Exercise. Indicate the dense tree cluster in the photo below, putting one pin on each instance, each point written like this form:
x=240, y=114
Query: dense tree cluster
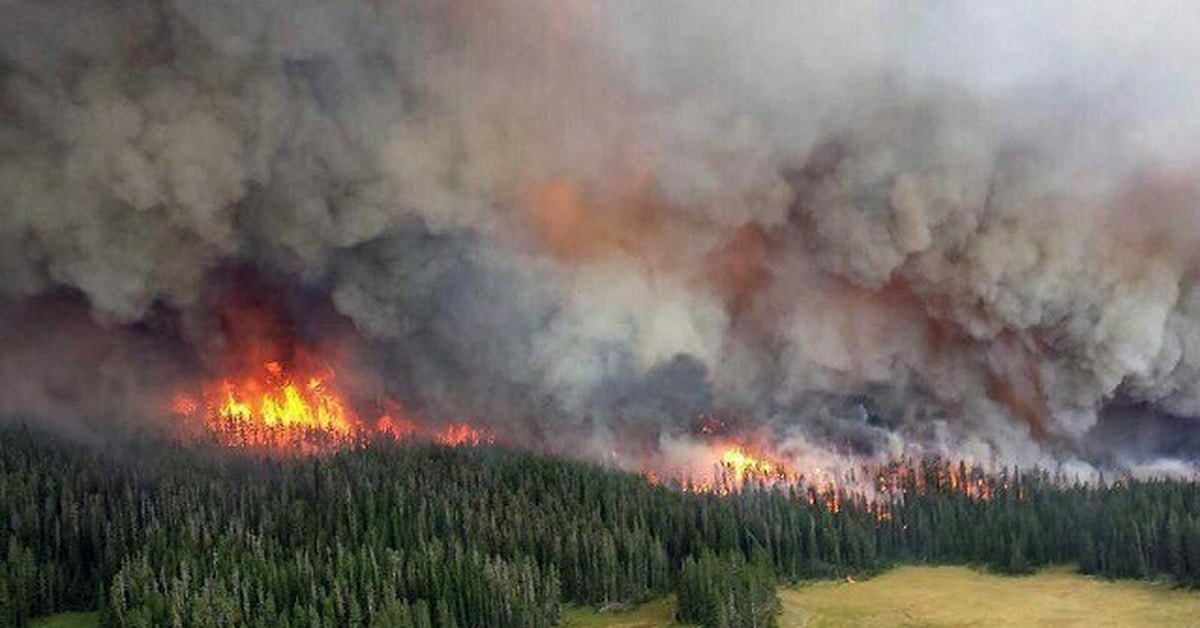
x=727, y=591
x=153, y=534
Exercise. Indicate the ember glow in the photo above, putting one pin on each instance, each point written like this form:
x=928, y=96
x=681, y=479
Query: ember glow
x=457, y=434
x=725, y=465
x=395, y=426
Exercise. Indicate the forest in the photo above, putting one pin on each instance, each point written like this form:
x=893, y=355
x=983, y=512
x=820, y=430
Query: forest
x=156, y=533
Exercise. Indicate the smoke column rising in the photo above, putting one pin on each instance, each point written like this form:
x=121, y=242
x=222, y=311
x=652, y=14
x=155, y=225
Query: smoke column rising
x=857, y=229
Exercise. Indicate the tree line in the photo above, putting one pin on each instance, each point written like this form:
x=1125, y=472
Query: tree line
x=158, y=534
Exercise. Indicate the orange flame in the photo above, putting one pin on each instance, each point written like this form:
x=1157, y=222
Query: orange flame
x=395, y=428
x=280, y=394
x=743, y=465
x=458, y=434
x=280, y=410
x=734, y=466
x=275, y=407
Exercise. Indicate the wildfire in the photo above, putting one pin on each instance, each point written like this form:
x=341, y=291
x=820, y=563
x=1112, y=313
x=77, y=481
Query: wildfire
x=744, y=465
x=733, y=467
x=277, y=392
x=274, y=406
x=736, y=465
x=458, y=434
x=395, y=428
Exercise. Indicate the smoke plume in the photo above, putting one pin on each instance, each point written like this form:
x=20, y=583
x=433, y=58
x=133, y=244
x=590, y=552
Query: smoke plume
x=856, y=229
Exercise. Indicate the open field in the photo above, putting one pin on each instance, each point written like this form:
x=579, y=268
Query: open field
x=955, y=596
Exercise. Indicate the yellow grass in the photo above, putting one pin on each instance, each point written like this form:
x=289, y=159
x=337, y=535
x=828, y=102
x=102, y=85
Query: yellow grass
x=951, y=596
x=956, y=596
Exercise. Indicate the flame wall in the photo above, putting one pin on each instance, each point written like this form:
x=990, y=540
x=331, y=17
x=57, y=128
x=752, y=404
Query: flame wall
x=857, y=229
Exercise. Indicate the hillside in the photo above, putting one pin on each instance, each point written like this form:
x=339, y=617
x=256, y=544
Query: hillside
x=927, y=596
x=151, y=533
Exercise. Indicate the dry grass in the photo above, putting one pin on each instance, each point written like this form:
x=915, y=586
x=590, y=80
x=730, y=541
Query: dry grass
x=956, y=596
x=951, y=596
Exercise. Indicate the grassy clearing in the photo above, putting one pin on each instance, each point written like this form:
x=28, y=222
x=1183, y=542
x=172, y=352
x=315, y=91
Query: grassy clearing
x=957, y=596
x=951, y=596
x=68, y=620
x=655, y=614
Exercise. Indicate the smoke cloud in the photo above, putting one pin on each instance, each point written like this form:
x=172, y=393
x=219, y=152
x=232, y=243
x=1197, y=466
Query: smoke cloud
x=858, y=229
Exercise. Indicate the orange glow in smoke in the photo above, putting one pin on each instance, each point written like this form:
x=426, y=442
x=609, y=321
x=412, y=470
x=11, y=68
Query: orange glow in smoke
x=575, y=222
x=458, y=434
x=395, y=427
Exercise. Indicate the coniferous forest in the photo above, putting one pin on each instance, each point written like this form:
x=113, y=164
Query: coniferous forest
x=160, y=534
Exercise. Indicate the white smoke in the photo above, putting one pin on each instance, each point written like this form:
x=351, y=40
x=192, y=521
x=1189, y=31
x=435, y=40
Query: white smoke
x=555, y=214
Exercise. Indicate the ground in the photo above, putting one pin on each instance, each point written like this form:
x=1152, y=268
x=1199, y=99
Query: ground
x=648, y=615
x=68, y=620
x=954, y=596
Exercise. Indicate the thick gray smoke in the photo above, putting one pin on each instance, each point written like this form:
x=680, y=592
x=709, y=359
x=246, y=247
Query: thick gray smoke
x=853, y=229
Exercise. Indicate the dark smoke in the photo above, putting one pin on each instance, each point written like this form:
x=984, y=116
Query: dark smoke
x=857, y=230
